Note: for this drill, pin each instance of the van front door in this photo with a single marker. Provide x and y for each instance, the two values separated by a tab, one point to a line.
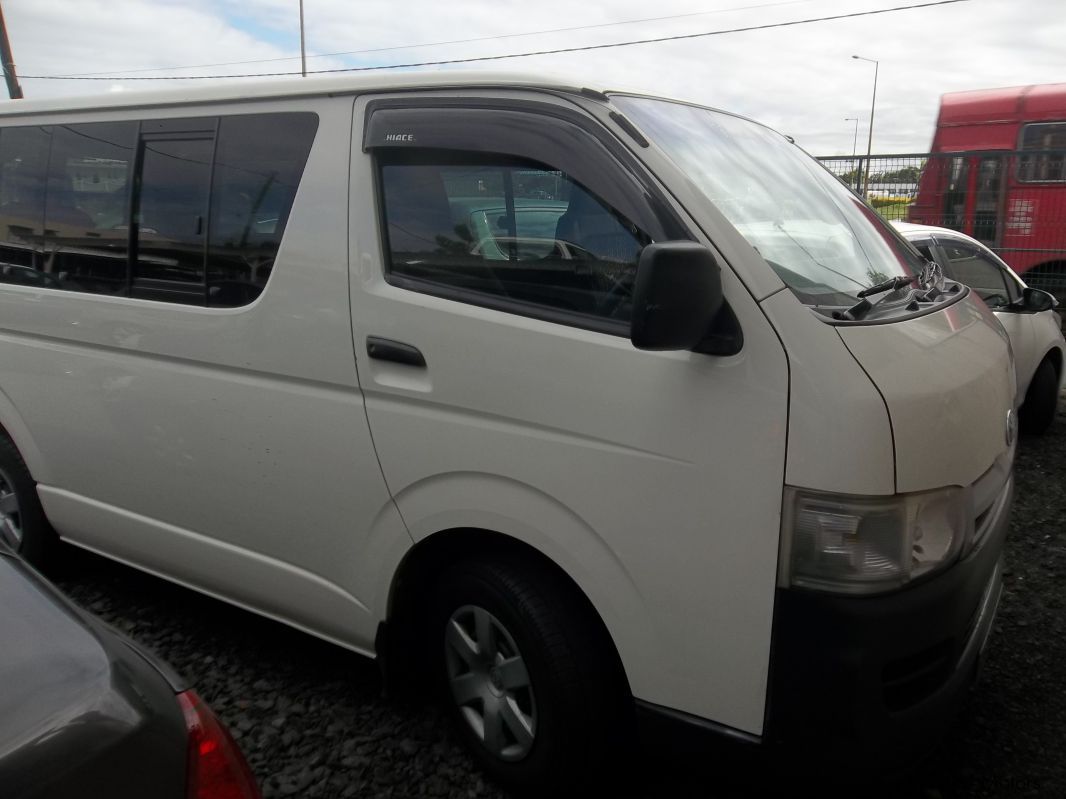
491	296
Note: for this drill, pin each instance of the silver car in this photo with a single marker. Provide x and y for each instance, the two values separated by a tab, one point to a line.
1028	315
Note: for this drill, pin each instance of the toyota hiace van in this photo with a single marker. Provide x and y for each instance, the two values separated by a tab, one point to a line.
594	409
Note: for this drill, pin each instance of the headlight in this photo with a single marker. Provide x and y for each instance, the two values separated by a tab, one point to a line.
865	545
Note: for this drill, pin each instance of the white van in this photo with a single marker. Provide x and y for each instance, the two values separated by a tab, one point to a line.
562	399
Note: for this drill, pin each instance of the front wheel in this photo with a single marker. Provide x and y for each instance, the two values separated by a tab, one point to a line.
530	679
1041	399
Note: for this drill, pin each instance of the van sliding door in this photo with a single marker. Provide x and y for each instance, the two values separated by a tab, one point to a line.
171	211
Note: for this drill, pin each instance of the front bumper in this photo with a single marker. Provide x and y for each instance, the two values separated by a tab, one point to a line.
872	683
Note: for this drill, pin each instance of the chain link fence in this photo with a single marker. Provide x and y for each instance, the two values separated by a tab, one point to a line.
1013	202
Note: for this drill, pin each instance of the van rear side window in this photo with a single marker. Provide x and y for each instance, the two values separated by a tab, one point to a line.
503	229
188	211
23	172
86	237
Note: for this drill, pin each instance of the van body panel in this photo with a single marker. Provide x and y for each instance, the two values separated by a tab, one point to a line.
495	463
273	587
823	374
576	443
948	380
197	422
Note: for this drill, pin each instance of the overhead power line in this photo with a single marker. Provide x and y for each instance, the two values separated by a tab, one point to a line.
423	45
474	59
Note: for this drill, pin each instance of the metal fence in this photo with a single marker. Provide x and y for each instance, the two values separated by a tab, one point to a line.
1014	202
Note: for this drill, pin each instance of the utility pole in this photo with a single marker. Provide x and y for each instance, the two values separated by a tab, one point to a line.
303	51
14	91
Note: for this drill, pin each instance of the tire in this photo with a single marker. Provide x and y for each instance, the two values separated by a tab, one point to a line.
1041	400
23	526
529	677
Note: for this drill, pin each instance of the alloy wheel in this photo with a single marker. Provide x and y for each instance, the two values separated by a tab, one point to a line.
10	518
489	682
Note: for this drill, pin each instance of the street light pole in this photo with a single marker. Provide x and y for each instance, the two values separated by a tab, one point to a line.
303	51
870	141
854	144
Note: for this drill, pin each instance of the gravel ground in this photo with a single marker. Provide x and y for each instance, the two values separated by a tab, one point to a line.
312	722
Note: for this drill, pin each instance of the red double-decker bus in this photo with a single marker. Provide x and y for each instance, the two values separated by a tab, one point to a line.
997	171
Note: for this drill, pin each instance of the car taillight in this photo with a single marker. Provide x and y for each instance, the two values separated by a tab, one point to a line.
216	768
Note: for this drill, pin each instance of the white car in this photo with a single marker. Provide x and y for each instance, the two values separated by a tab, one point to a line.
1027	314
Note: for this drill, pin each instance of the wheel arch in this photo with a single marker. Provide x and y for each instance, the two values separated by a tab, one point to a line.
14	427
1054	355
416	576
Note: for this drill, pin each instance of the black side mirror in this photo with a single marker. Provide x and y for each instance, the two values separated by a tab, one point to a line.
1035	300
677	294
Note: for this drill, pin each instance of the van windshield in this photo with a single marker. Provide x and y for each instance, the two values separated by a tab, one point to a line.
822	240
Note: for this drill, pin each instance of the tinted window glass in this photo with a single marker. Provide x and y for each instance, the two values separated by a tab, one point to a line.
258	165
87	208
501	228
172	219
209	199
23	168
955	192
972	268
987	199
1049	165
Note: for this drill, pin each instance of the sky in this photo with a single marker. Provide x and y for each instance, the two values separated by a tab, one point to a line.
799	79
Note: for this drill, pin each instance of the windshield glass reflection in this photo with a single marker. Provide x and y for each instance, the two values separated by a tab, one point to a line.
823	242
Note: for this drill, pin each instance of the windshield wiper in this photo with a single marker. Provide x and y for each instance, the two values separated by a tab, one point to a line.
891	284
864	306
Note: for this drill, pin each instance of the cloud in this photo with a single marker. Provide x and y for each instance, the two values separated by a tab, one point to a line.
798	79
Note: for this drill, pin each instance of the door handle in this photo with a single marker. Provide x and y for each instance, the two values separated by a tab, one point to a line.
384	349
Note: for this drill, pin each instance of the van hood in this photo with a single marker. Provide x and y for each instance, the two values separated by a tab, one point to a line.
948	381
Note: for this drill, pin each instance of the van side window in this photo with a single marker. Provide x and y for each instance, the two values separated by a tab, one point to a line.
258	164
87	210
23	167
495	227
178	210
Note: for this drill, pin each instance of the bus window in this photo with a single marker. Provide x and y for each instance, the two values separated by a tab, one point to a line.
987	199
1049	163
955	192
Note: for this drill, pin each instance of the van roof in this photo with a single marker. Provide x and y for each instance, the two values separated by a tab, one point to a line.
194	91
